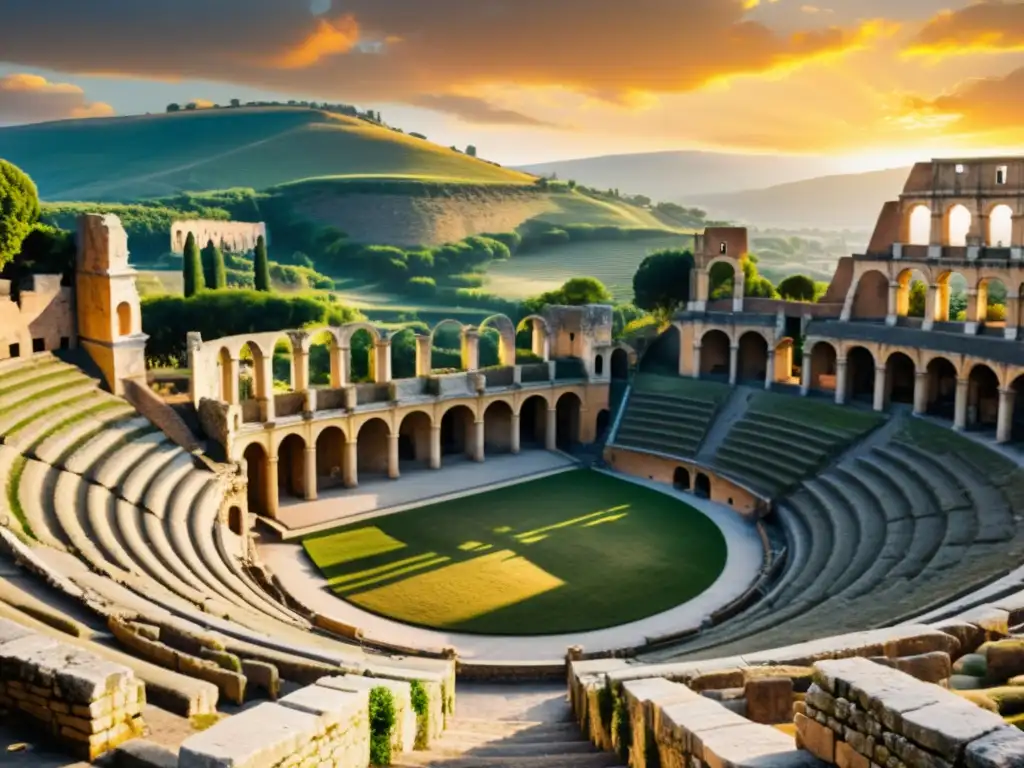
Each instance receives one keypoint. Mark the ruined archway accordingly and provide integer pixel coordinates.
(823, 367)
(941, 399)
(330, 458)
(322, 360)
(752, 357)
(620, 363)
(911, 294)
(681, 479)
(957, 226)
(291, 467)
(457, 426)
(283, 365)
(567, 420)
(1000, 227)
(372, 448)
(256, 473)
(900, 378)
(446, 340)
(533, 340)
(982, 398)
(253, 385)
(951, 301)
(871, 299)
(860, 374)
(414, 434)
(918, 225)
(498, 428)
(714, 354)
(533, 417)
(362, 356)
(229, 393)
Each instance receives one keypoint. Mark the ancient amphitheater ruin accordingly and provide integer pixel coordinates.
(862, 462)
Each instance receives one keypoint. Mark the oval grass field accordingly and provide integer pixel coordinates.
(570, 552)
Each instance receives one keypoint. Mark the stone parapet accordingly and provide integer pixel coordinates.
(88, 702)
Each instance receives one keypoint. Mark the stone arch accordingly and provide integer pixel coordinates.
(907, 304)
(1000, 226)
(917, 225)
(256, 460)
(681, 479)
(457, 431)
(362, 357)
(900, 378)
(533, 420)
(951, 296)
(871, 296)
(372, 447)
(620, 364)
(823, 361)
(725, 278)
(498, 428)
(599, 365)
(506, 330)
(448, 357)
(322, 343)
(941, 398)
(283, 361)
(330, 457)
(567, 419)
(236, 520)
(291, 466)
(752, 360)
(860, 373)
(403, 366)
(982, 397)
(414, 436)
(539, 335)
(252, 379)
(991, 302)
(1017, 418)
(125, 324)
(956, 225)
(715, 353)
(702, 486)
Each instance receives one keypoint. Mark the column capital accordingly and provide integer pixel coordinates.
(921, 374)
(881, 369)
(840, 360)
(1007, 392)
(962, 381)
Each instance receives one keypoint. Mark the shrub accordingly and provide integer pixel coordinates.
(421, 705)
(382, 724)
(797, 288)
(193, 268)
(19, 209)
(996, 313)
(422, 287)
(471, 280)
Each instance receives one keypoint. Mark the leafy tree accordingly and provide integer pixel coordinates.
(174, 107)
(193, 267)
(19, 209)
(236, 103)
(662, 283)
(918, 291)
(214, 273)
(261, 266)
(797, 288)
(191, 106)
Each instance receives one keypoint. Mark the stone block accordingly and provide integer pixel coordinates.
(928, 641)
(847, 757)
(1004, 659)
(140, 753)
(816, 738)
(718, 679)
(769, 700)
(333, 707)
(749, 744)
(930, 667)
(11, 631)
(969, 635)
(262, 736)
(947, 727)
(802, 677)
(693, 719)
(405, 716)
(1002, 748)
(262, 675)
(973, 664)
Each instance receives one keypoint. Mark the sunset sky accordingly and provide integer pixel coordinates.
(877, 83)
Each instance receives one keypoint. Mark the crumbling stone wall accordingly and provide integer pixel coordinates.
(44, 311)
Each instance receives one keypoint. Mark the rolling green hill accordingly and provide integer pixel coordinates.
(129, 158)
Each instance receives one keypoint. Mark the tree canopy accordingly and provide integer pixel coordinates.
(192, 267)
(797, 288)
(662, 283)
(214, 272)
(19, 209)
(261, 266)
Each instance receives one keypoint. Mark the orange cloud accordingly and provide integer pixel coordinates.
(985, 27)
(978, 106)
(26, 98)
(328, 39)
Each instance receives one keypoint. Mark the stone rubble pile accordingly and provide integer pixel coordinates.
(85, 701)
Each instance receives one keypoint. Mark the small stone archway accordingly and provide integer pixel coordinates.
(229, 392)
(498, 425)
(991, 303)
(752, 363)
(372, 448)
(917, 225)
(330, 458)
(124, 319)
(567, 421)
(533, 418)
(823, 367)
(414, 435)
(951, 299)
(620, 364)
(291, 467)
(446, 346)
(604, 422)
(941, 397)
(982, 398)
(715, 353)
(681, 479)
(724, 279)
(900, 378)
(1000, 227)
(255, 456)
(457, 428)
(860, 374)
(702, 486)
(956, 225)
(599, 365)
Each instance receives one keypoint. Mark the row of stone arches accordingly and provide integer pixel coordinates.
(955, 226)
(701, 486)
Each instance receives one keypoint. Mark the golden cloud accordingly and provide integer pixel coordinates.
(986, 27)
(26, 98)
(977, 106)
(327, 39)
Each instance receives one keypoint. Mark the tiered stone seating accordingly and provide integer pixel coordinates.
(782, 440)
(669, 415)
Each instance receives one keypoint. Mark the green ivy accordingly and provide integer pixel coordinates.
(605, 706)
(382, 725)
(421, 705)
(621, 725)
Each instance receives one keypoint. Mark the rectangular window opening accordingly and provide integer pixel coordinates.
(38, 345)
(14, 350)
(1001, 175)
(65, 342)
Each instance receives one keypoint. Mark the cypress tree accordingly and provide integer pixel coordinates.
(192, 267)
(261, 266)
(214, 272)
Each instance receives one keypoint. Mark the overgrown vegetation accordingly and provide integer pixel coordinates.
(19, 206)
(421, 705)
(621, 727)
(382, 725)
(13, 500)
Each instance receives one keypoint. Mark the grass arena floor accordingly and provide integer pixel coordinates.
(570, 552)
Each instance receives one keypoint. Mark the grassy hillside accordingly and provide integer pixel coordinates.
(129, 158)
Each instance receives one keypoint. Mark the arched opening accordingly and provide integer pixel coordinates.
(567, 429)
(919, 226)
(1000, 227)
(871, 300)
(1017, 419)
(236, 521)
(124, 319)
(714, 354)
(604, 420)
(498, 428)
(951, 302)
(533, 418)
(251, 384)
(982, 398)
(860, 372)
(256, 473)
(958, 226)
(446, 347)
(941, 388)
(228, 392)
(911, 294)
(900, 378)
(620, 363)
(702, 488)
(414, 438)
(330, 458)
(681, 479)
(991, 303)
(823, 367)
(457, 426)
(362, 350)
(372, 449)
(662, 354)
(753, 357)
(283, 366)
(497, 341)
(291, 467)
(321, 361)
(721, 280)
(533, 341)
(403, 351)
(599, 365)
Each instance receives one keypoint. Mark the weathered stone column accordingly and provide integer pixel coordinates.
(975, 311)
(841, 381)
(960, 416)
(1012, 315)
(470, 349)
(703, 291)
(272, 491)
(339, 366)
(541, 344)
(769, 374)
(507, 347)
(930, 303)
(263, 369)
(435, 447)
(551, 430)
(300, 369)
(351, 470)
(478, 440)
(514, 434)
(738, 289)
(309, 474)
(892, 316)
(423, 351)
(937, 237)
(922, 381)
(805, 376)
(881, 387)
(382, 361)
(734, 360)
(393, 470)
(696, 361)
(1004, 423)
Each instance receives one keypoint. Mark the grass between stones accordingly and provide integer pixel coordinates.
(570, 552)
(13, 481)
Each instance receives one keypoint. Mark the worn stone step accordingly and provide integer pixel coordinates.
(143, 474)
(556, 728)
(168, 481)
(513, 746)
(35, 493)
(40, 403)
(591, 760)
(98, 445)
(54, 446)
(111, 470)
